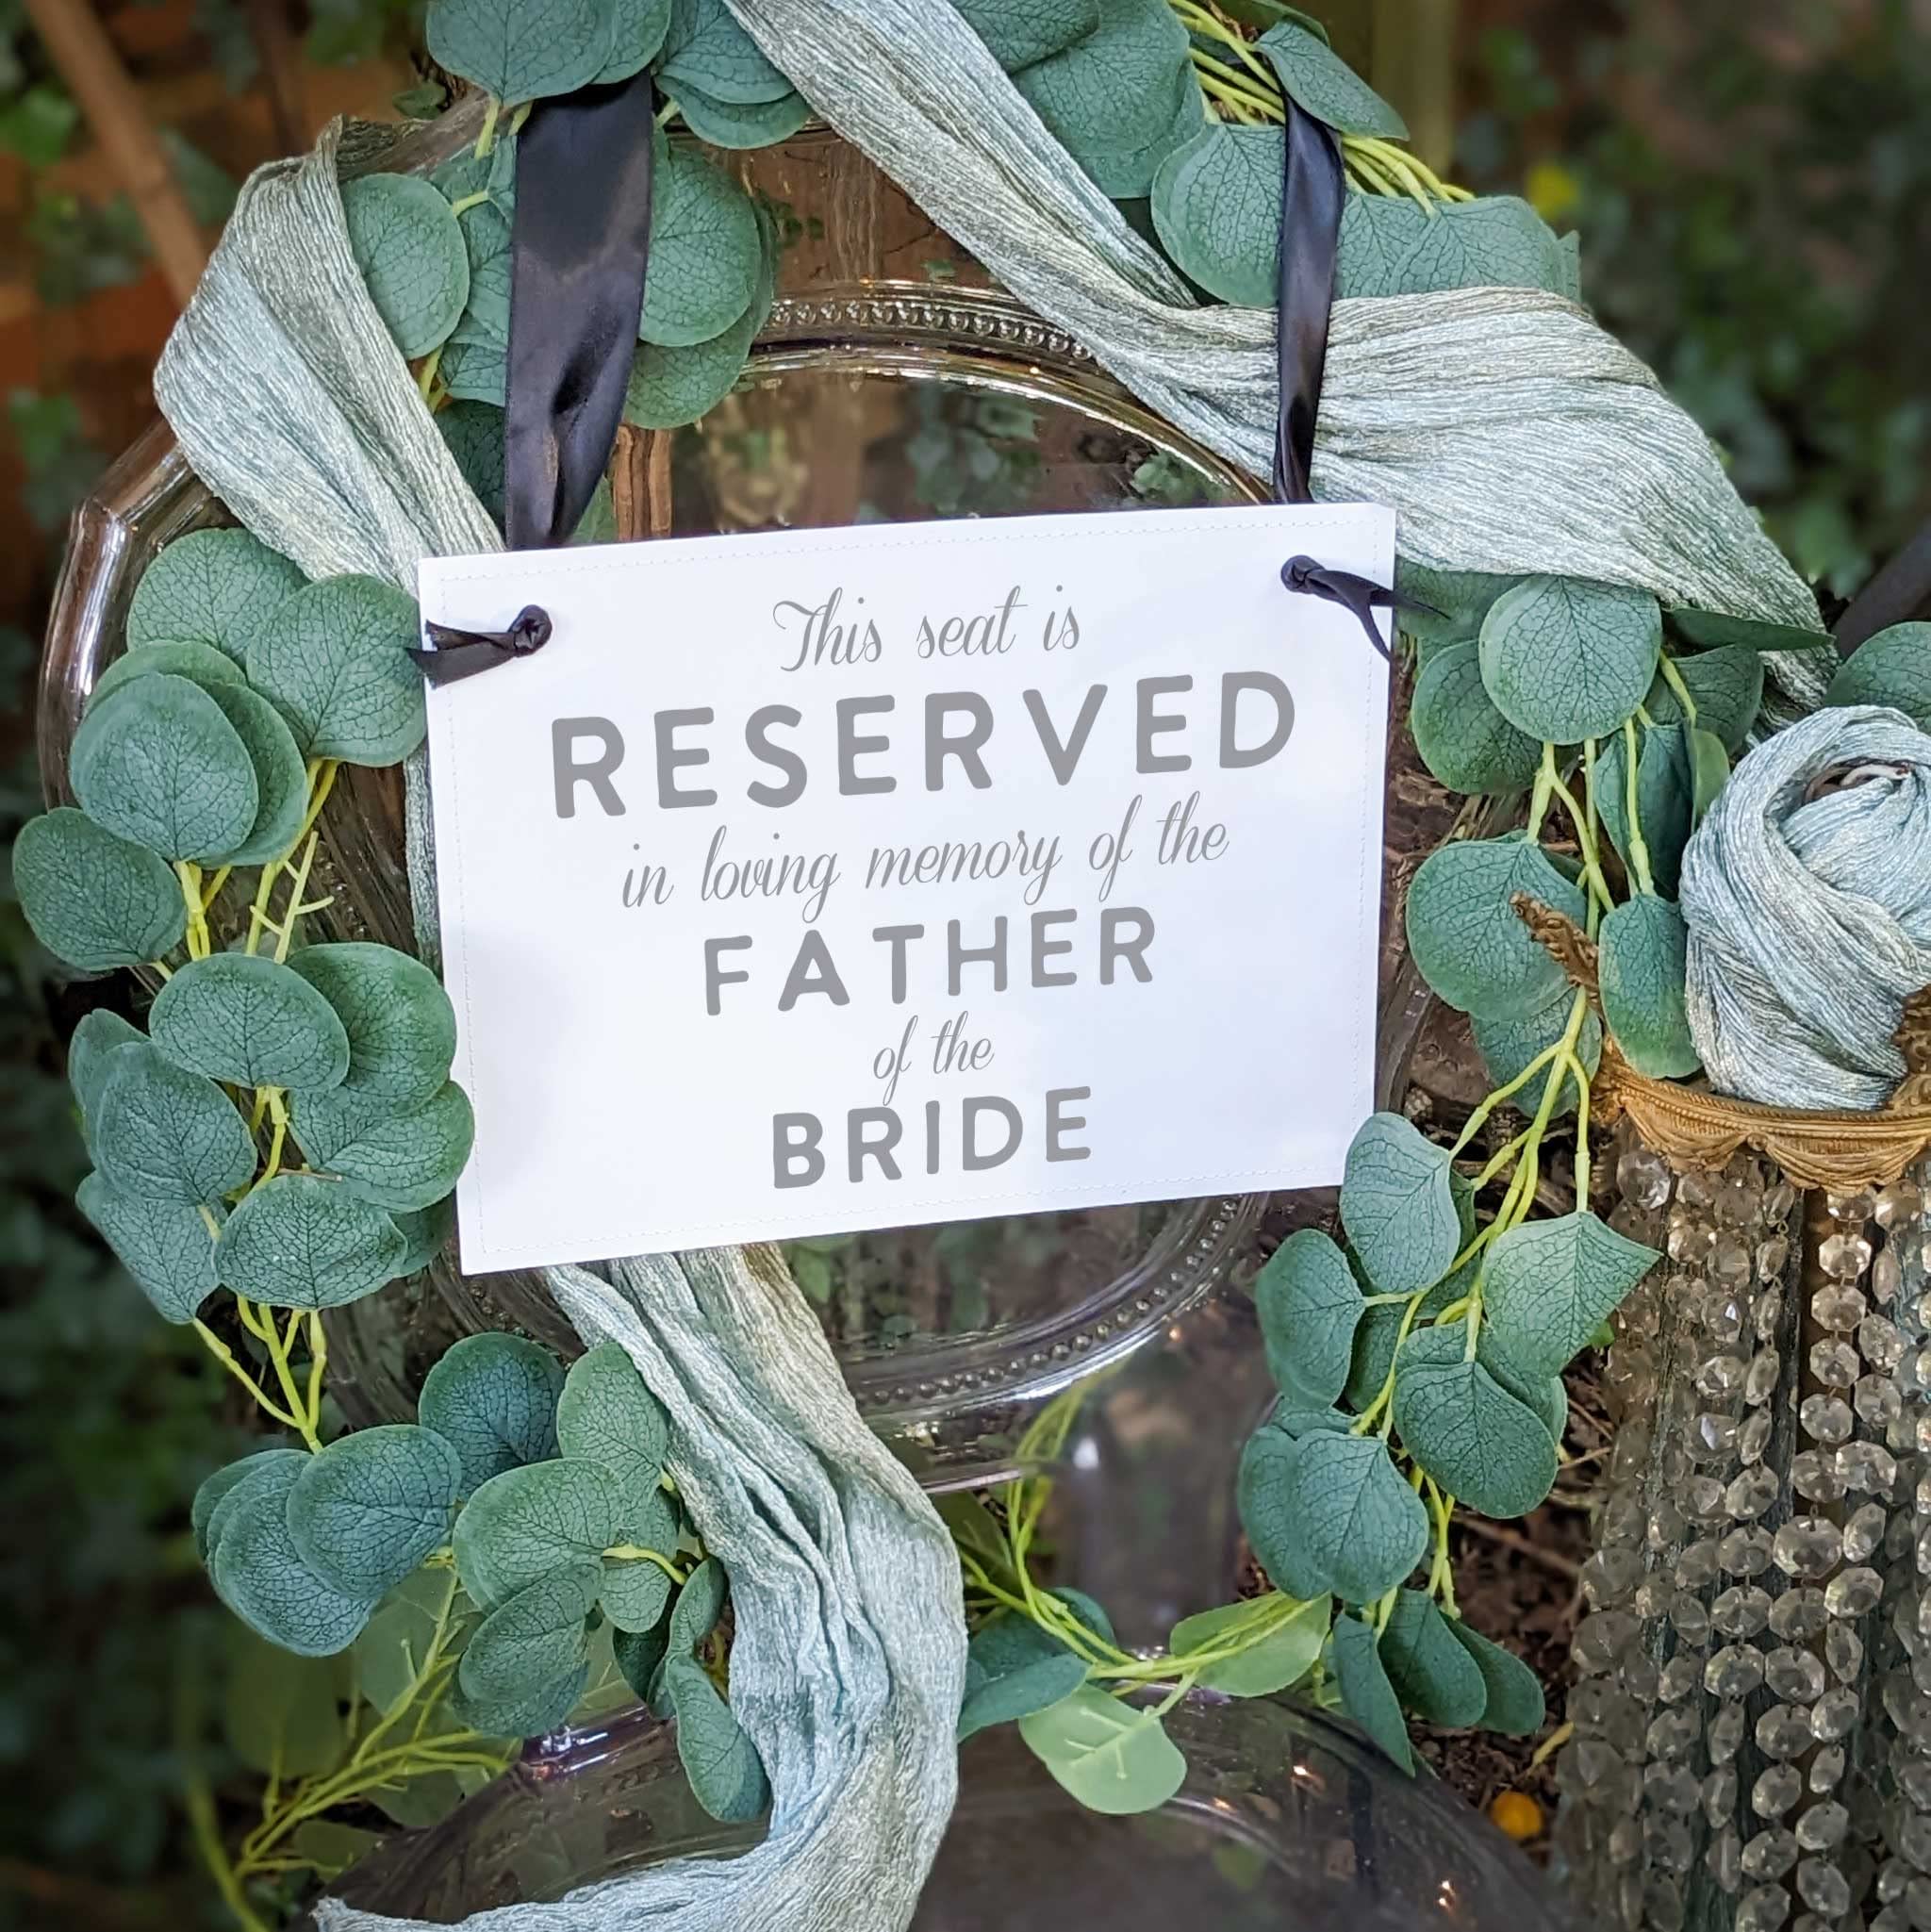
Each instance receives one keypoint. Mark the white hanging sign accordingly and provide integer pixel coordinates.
(818, 882)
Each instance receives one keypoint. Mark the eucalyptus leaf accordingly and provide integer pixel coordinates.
(159, 763)
(1126, 174)
(727, 1777)
(1318, 79)
(1478, 1441)
(639, 1655)
(1726, 687)
(1642, 959)
(706, 48)
(466, 174)
(1551, 1284)
(164, 1244)
(98, 1033)
(638, 32)
(536, 1635)
(473, 432)
(1892, 668)
(733, 125)
(259, 1575)
(473, 372)
(300, 1242)
(672, 386)
(227, 1481)
(1463, 738)
(335, 663)
(424, 1231)
(1515, 1704)
(705, 252)
(369, 1507)
(1018, 32)
(1468, 942)
(1308, 1304)
(247, 1019)
(200, 663)
(485, 317)
(1366, 1694)
(1276, 1662)
(410, 251)
(1704, 630)
(528, 1521)
(1374, 1354)
(1509, 1045)
(1399, 1207)
(401, 1026)
(493, 1397)
(1459, 600)
(217, 588)
(1662, 799)
(700, 1604)
(93, 898)
(165, 1134)
(1216, 210)
(533, 1713)
(1432, 1674)
(1331, 1514)
(636, 1589)
(391, 1652)
(1113, 1757)
(1565, 659)
(521, 50)
(281, 781)
(280, 1715)
(395, 1159)
(606, 1415)
(1004, 1683)
(1710, 771)
(1389, 245)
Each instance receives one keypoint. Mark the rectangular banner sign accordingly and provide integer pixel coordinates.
(823, 880)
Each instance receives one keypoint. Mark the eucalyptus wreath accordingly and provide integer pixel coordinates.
(284, 1133)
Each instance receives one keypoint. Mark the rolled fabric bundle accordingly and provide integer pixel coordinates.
(1806, 891)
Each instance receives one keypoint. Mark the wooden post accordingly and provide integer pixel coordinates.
(640, 483)
(1414, 68)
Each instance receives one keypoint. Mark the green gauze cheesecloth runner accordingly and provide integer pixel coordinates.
(847, 1667)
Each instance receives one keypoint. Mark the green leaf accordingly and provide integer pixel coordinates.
(1565, 659)
(473, 372)
(1892, 668)
(200, 663)
(1710, 771)
(1705, 629)
(1550, 1283)
(1216, 210)
(1316, 78)
(1012, 1669)
(521, 50)
(1128, 173)
(1391, 246)
(1430, 1672)
(705, 252)
(1112, 1757)
(1726, 687)
(1276, 1662)
(536, 1635)
(473, 432)
(372, 1506)
(672, 386)
(394, 1647)
(640, 1655)
(1545, 1397)
(1463, 597)
(300, 1242)
(249, 1020)
(1366, 1694)
(466, 174)
(159, 763)
(398, 1159)
(424, 1231)
(1465, 936)
(726, 1775)
(218, 587)
(167, 1135)
(95, 1038)
(281, 781)
(331, 1848)
(1662, 799)
(164, 1244)
(401, 1026)
(484, 319)
(605, 1414)
(1513, 1704)
(493, 1397)
(226, 1481)
(523, 1524)
(706, 48)
(1641, 950)
(700, 1604)
(1399, 1207)
(634, 1589)
(410, 251)
(1295, 1423)
(1308, 1304)
(735, 124)
(1479, 1442)
(1115, 93)
(1374, 1355)
(637, 32)
(1463, 738)
(94, 899)
(1018, 32)
(259, 1575)
(1331, 1514)
(535, 1712)
(1508, 1046)
(335, 662)
(280, 1715)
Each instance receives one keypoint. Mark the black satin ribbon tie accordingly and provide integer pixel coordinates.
(452, 654)
(1362, 595)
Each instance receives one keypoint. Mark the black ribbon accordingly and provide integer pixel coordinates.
(1900, 592)
(579, 242)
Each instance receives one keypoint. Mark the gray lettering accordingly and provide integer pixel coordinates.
(859, 1142)
(970, 1157)
(570, 772)
(852, 746)
(1045, 949)
(793, 1148)
(715, 976)
(757, 735)
(940, 745)
(1133, 950)
(670, 760)
(959, 956)
(1064, 757)
(1058, 1123)
(812, 971)
(1232, 684)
